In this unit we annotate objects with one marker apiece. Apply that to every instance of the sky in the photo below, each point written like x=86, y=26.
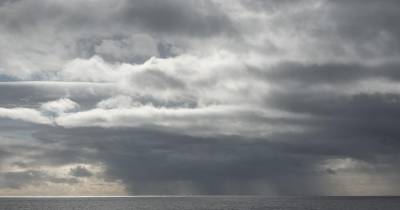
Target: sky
x=199, y=97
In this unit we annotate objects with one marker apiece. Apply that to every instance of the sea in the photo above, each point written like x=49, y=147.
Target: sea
x=200, y=203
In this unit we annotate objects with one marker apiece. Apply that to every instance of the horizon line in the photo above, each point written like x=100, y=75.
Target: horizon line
x=160, y=196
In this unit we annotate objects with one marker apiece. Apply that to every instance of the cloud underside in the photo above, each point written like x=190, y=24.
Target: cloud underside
x=199, y=97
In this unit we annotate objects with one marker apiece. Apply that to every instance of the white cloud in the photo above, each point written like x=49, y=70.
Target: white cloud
x=94, y=69
x=210, y=120
x=25, y=114
x=193, y=94
x=343, y=164
x=120, y=101
x=59, y=106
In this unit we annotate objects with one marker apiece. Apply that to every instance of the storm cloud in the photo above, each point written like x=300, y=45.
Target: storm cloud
x=135, y=97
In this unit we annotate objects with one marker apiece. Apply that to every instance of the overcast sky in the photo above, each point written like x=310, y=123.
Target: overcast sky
x=134, y=97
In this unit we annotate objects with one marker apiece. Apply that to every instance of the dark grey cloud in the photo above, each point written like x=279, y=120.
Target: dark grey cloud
x=80, y=171
x=3, y=155
x=156, y=162
x=366, y=20
x=189, y=17
x=328, y=74
x=139, y=157
x=336, y=29
x=6, y=2
x=369, y=27
x=271, y=6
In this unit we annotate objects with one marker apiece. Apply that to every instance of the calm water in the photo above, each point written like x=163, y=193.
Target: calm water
x=195, y=203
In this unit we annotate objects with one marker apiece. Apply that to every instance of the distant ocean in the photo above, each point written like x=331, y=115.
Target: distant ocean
x=200, y=203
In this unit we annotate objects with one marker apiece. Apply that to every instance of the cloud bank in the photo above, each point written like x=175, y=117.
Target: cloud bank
x=199, y=97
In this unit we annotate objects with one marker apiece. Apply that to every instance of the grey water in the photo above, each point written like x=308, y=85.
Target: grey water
x=202, y=203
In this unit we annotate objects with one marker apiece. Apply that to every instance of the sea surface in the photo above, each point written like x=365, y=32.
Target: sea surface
x=197, y=203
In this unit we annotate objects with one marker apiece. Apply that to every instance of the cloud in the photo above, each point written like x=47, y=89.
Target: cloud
x=91, y=70
x=149, y=161
x=120, y=101
x=60, y=106
x=55, y=33
x=15, y=180
x=190, y=17
x=135, y=49
x=34, y=94
x=25, y=114
x=146, y=115
x=80, y=171
x=200, y=97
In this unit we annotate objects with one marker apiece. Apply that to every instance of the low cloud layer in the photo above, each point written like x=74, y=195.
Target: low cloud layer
x=199, y=97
